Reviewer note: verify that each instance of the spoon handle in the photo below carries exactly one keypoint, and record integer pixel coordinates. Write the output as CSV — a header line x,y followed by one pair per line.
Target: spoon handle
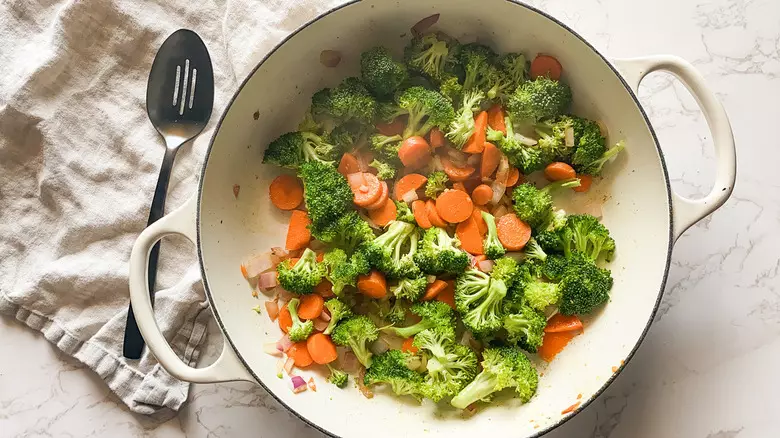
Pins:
x,y
133,344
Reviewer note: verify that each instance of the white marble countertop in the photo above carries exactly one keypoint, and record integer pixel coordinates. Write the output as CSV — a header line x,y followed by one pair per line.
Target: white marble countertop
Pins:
x,y
708,367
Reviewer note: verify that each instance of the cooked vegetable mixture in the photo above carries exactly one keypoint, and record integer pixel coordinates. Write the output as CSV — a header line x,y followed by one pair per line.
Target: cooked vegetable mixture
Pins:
x,y
415,247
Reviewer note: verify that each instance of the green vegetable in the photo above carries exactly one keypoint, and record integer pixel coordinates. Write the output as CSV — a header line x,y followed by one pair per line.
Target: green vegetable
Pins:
x,y
437,183
479,296
451,88
514,68
427,55
476,60
381,73
534,252
326,192
440,253
539,99
502,367
434,314
346,232
539,294
427,109
404,213
338,311
337,377
349,101
339,270
304,276
584,286
410,288
386,112
391,368
393,252
492,246
299,331
295,148
392,309
462,127
554,267
526,328
534,206
590,166
585,234
356,333
527,158
384,170
450,365
386,146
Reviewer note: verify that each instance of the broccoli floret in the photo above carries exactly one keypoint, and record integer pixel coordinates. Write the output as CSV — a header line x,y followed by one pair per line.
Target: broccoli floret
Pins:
x,y
492,246
392,310
326,192
338,311
526,328
339,270
381,73
410,288
552,138
539,99
294,148
386,112
502,367
427,109
527,158
391,368
589,144
356,333
393,252
548,240
476,59
451,88
478,296
534,206
346,232
437,183
554,267
462,127
439,253
584,286
337,377
349,101
450,366
404,213
300,330
585,234
384,170
540,294
514,67
304,276
427,55
434,314
386,146
594,167
308,124
534,252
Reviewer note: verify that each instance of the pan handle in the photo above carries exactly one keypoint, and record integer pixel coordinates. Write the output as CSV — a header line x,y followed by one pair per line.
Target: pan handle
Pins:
x,y
686,211
180,221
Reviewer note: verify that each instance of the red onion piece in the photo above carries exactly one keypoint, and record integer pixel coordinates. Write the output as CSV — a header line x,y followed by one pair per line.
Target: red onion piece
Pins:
x,y
299,385
279,368
272,309
288,366
330,58
284,343
325,316
278,255
272,349
421,26
409,196
472,261
267,280
255,265
320,325
486,265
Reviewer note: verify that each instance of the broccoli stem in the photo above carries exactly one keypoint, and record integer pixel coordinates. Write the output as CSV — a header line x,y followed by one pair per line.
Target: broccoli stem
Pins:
x,y
481,387
407,332
360,349
563,184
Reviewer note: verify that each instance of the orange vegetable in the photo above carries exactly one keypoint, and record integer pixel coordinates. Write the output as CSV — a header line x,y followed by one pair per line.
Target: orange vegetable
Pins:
x,y
562,323
383,215
512,232
421,214
476,143
455,173
383,196
496,118
476,215
469,236
482,194
365,187
408,183
408,347
448,294
436,138
433,215
454,206
570,408
325,289
513,178
286,192
298,234
559,171
414,152
459,186
372,285
321,349
545,65
553,343
585,182
434,289
396,127
348,164
300,354
490,158
284,319
311,306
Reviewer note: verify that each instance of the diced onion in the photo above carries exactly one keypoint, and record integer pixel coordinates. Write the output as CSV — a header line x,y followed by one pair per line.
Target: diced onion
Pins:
x,y
409,196
486,265
288,366
457,156
272,309
436,163
474,160
283,295
365,390
498,192
472,261
502,173
430,278
271,348
395,342
348,361
278,254
267,280
379,346
500,211
568,136
284,343
279,368
320,325
311,384
257,264
330,58
299,385
325,316
528,141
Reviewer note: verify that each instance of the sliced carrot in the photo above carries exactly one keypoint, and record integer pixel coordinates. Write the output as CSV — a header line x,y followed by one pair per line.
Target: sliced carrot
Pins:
x,y
408,183
408,346
469,236
496,118
436,138
482,194
559,171
476,215
513,178
321,349
490,158
585,182
454,206
300,354
372,285
545,65
325,289
459,186
562,323
383,215
421,214
434,289
433,215
348,164
284,319
311,306
286,192
414,152
396,127
448,294
365,187
512,232
476,143
298,234
384,195
553,343
455,173
570,408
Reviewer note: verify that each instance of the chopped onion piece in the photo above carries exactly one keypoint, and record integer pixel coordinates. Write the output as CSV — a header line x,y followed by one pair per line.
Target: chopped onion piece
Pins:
x,y
283,295
267,280
474,160
486,265
348,361
430,278
421,26
272,309
288,366
284,343
367,393
498,192
256,265
472,261
568,136
299,385
320,325
330,58
409,196
502,173
311,384
528,141
436,163
501,210
325,316
271,348
393,341
278,254
280,368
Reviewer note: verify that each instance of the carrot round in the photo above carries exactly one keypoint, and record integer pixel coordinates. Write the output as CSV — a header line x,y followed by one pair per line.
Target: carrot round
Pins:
x,y
482,194
469,236
384,214
562,323
434,289
476,215
300,354
454,206
553,343
396,127
321,349
408,346
325,289
545,65
559,171
436,138
476,143
433,215
348,164
421,214
365,187
298,234
284,319
513,178
512,232
382,197
448,294
311,306
496,118
585,182
455,173
490,158
286,192
408,183
414,152
372,285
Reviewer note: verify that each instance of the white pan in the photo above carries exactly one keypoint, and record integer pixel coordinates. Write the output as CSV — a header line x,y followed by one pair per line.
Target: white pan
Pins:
x,y
644,215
